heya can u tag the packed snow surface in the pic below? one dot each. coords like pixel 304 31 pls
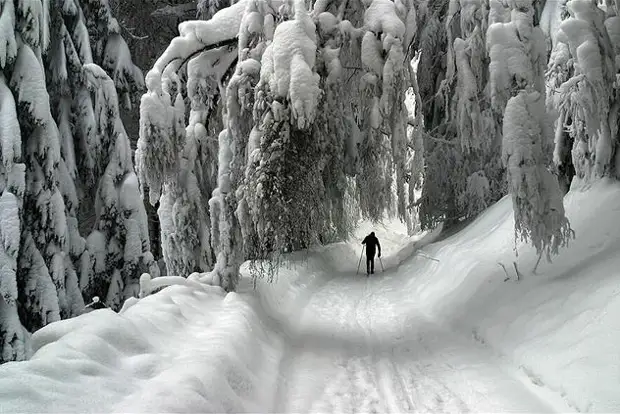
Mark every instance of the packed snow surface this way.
pixel 440 330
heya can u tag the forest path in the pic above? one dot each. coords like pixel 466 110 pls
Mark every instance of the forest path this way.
pixel 362 346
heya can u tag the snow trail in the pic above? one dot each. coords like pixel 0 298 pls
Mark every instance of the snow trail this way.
pixel 363 347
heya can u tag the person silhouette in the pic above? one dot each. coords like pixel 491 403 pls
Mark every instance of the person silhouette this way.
pixel 372 244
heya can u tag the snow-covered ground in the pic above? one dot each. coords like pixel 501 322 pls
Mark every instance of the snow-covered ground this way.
pixel 425 335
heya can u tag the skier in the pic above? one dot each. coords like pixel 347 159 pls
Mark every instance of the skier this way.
pixel 372 243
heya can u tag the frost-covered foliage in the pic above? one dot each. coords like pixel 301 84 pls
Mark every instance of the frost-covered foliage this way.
pixel 52 149
pixel 177 162
pixel 383 86
pixel 536 195
pixel 517 49
pixel 312 99
pixel 37 278
pixel 460 131
pixel 584 90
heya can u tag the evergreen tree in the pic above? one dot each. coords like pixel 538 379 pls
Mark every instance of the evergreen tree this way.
pixel 121 231
pixel 517 49
pixel 584 92
pixel 12 176
pixel 54 151
pixel 461 131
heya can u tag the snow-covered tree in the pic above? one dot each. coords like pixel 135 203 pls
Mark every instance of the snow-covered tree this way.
pixel 52 149
pixel 460 131
pixel 584 89
pixel 484 105
pixel 12 341
pixel 110 51
pixel 517 49
pixel 44 231
pixel 310 98
pixel 208 8
pixel 120 241
pixel 297 127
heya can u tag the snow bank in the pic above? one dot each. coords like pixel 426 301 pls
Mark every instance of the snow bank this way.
pixel 178 350
pixel 560 325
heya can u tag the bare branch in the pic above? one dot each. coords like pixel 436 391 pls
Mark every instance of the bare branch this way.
pixel 519 275
pixel 505 271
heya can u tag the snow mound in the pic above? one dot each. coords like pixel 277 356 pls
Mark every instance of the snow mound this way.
pixel 136 361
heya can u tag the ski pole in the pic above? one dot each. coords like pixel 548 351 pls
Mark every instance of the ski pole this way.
pixel 381 261
pixel 360 262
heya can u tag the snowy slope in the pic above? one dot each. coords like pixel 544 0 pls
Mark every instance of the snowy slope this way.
pixel 424 336
pixel 560 326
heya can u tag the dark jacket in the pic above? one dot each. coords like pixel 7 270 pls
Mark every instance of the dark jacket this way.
pixel 372 243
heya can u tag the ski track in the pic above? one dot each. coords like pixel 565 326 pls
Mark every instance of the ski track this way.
pixel 360 349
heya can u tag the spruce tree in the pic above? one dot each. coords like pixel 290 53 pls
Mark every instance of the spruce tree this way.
pixel 55 147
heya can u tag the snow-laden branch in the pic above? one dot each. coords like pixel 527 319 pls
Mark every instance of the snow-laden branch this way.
pixel 583 78
pixel 148 284
pixel 196 36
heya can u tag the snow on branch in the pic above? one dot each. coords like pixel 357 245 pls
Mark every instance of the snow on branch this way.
pixel 196 36
pixel 8 43
pixel 148 285
pixel 537 200
pixel 288 66
pixel 178 10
